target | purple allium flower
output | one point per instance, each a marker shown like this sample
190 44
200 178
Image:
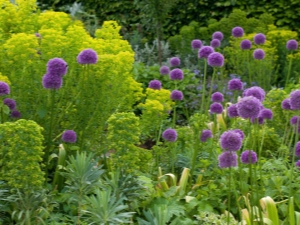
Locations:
248 157
205 51
205 135
10 103
232 111
176 74
69 136
286 104
216 108
175 61
259 39
155 84
57 67
235 85
231 141
176 95
294 120
266 114
52 81
215 59
256 92
87 56
217 97
259 54
218 35
237 32
249 107
297 164
4 88
258 120
297 152
164 70
227 159
215 43
196 44
38 35
246 44
170 135
15 114
292 45
240 132
295 100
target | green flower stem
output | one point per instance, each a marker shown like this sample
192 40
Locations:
259 154
211 86
157 141
174 116
196 148
249 68
2 114
203 105
289 72
228 196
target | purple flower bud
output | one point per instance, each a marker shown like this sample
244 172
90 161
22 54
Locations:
256 92
176 74
52 81
15 114
217 97
155 84
69 136
249 107
245 44
227 159
38 35
232 111
259 54
286 104
176 95
259 39
196 44
215 43
10 103
164 70
218 35
175 61
57 67
216 108
87 56
237 32
205 135
169 135
297 152
231 141
205 51
248 157
4 88
215 59
295 100
266 114
235 85
292 45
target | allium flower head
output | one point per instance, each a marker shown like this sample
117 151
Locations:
231 141
15 114
297 164
196 44
87 56
259 39
259 54
218 35
205 51
240 132
69 136
294 120
248 157
217 97
232 111
235 85
266 114
57 67
237 32
216 108
176 95
295 100
155 84
246 44
227 159
4 88
297 152
249 107
175 61
176 74
10 103
286 104
52 81
215 43
164 70
215 59
205 135
292 45
256 92
170 135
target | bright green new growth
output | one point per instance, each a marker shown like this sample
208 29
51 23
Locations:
21 153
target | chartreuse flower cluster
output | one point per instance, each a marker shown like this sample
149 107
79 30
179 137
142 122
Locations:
21 154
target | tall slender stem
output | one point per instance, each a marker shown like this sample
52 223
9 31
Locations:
289 72
203 106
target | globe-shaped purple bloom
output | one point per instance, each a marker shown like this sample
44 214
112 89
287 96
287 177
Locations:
231 141
176 95
216 108
249 107
57 67
4 88
295 100
286 104
297 164
15 114
205 135
176 74
232 111
205 51
218 35
69 136
259 39
155 84
175 61
256 92
246 44
259 54
237 32
217 97
164 70
266 114
10 103
215 59
87 56
228 159
294 120
248 157
215 43
52 81
235 85
196 44
240 132
170 135
297 151
292 45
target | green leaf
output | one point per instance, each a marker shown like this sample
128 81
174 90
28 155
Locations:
75 148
